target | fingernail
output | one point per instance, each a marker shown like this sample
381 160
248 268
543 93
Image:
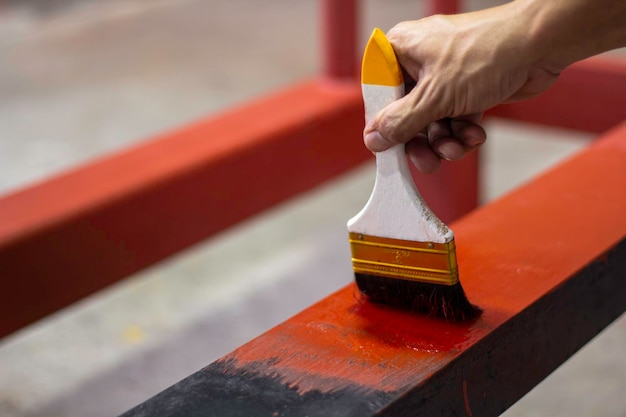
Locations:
375 142
448 150
370 125
474 141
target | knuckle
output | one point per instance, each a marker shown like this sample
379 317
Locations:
397 33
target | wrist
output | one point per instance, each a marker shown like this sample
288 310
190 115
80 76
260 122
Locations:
542 31
566 31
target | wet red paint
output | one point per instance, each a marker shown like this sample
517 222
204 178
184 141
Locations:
343 340
510 253
399 329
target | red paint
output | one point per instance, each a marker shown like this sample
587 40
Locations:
590 96
345 339
510 254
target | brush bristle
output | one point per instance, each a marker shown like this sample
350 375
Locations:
445 301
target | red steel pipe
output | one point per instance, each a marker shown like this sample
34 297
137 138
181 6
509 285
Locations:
454 190
340 39
443 7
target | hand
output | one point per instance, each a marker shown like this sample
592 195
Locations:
458 66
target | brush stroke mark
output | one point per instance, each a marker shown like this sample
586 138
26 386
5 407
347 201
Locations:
468 409
226 390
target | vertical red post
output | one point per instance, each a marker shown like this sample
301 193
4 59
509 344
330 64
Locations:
339 39
443 7
454 190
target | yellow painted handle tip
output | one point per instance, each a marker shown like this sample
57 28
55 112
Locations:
380 65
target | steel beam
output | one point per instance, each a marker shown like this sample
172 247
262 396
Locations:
340 29
546 263
590 96
443 7
74 234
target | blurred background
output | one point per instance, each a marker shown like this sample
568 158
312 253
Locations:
83 78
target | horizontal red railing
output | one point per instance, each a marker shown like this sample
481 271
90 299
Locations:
589 96
74 234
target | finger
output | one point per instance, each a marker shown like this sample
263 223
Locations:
374 141
442 141
401 120
409 82
468 131
421 155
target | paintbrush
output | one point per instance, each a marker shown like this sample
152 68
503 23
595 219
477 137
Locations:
402 254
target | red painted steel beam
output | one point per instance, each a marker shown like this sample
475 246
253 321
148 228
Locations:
339 31
74 234
454 190
546 263
589 96
443 7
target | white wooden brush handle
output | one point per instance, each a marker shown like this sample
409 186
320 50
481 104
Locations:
395 209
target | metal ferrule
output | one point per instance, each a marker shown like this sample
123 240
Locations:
395 258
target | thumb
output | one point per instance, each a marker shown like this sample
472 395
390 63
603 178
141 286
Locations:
399 122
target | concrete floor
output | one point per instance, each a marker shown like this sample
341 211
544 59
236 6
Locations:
85 78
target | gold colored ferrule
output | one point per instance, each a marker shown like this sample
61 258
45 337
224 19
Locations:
396 258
